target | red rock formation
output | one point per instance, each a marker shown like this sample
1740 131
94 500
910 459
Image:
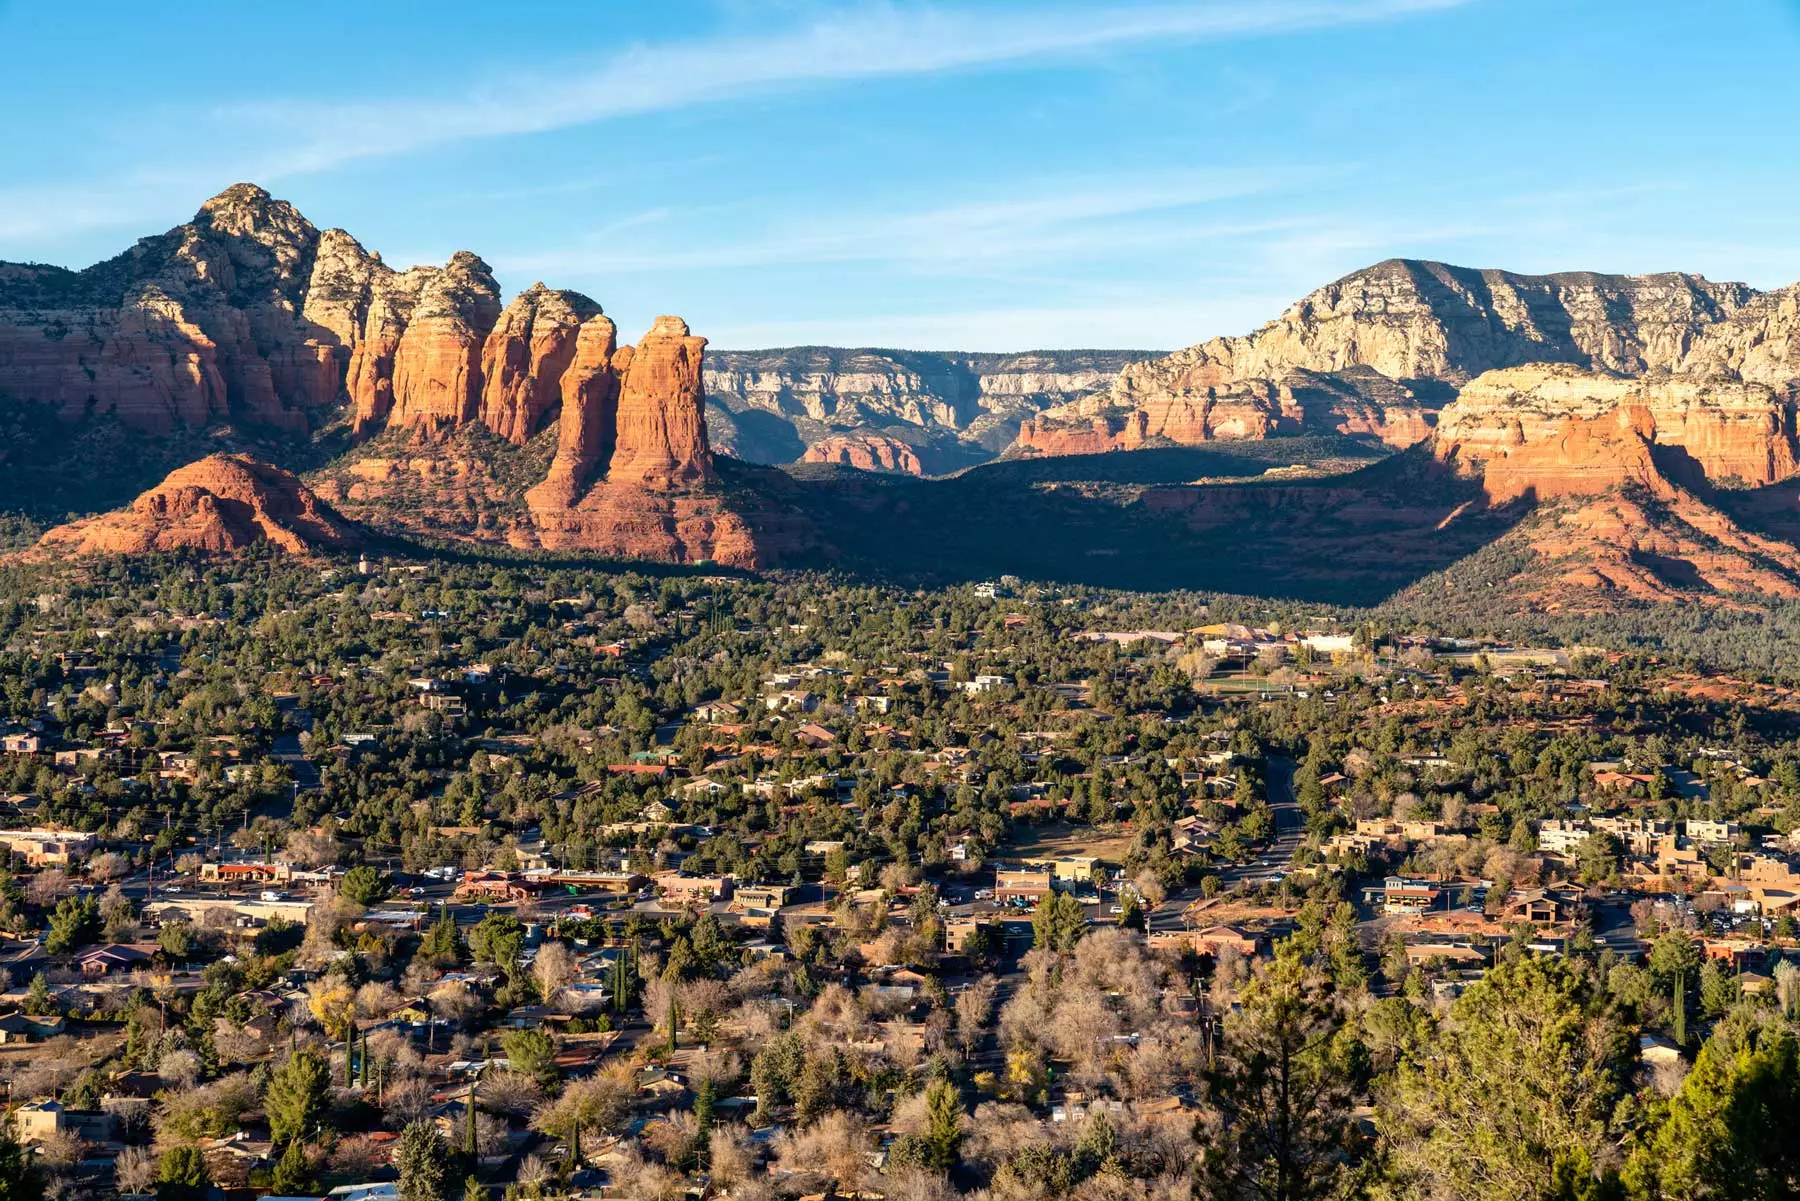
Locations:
1357 402
1550 419
590 412
222 503
660 496
662 420
867 452
437 366
523 361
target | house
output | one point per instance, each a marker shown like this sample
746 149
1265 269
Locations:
1656 1051
1459 955
1069 869
114 957
43 1119
1400 896
1562 837
20 961
713 712
1213 939
814 736
1711 833
1539 906
49 847
501 887
25 1028
960 932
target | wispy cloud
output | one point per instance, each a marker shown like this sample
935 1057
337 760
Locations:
1052 218
269 140
871 41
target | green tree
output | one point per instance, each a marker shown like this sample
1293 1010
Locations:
443 943
943 1134
1058 922
363 885
177 941
181 1175
297 1098
75 923
1672 958
705 1098
19 1176
1729 1133
499 939
1283 1090
531 1052
293 1173
419 1160
39 1001
1520 1082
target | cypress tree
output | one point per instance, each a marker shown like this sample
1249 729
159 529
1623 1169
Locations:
1680 1008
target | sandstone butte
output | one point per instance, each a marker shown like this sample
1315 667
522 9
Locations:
221 504
633 474
250 315
867 452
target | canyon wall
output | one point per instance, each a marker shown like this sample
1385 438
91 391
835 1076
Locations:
961 407
1426 329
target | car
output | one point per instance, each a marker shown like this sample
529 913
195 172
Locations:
1116 909
415 891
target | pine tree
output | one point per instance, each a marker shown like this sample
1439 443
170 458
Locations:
469 1123
704 1098
19 1178
419 1159
944 1135
293 1174
296 1097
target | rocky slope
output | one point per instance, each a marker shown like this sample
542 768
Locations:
1528 427
1426 329
867 452
774 406
221 504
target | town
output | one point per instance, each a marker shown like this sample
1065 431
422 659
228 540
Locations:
394 879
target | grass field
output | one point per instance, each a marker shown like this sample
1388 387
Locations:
1056 839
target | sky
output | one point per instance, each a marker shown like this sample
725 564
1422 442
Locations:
1003 175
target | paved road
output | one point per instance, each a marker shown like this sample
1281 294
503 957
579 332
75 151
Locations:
1277 857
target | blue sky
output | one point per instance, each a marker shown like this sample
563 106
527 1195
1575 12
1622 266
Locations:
950 175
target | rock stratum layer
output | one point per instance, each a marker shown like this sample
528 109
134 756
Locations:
954 408
221 504
1425 329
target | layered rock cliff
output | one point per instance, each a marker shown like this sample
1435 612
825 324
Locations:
1426 329
1544 428
867 452
220 504
784 402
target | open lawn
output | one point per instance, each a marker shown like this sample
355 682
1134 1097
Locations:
1055 839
